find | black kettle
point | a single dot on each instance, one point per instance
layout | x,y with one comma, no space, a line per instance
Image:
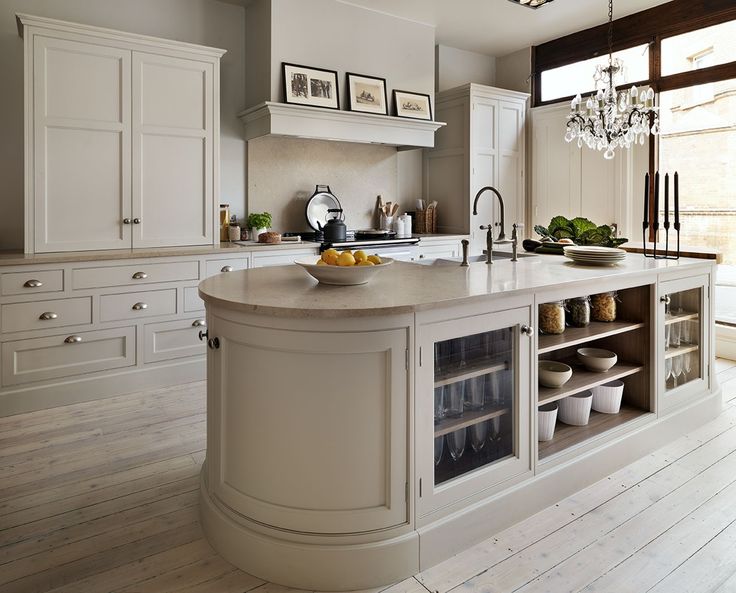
335,230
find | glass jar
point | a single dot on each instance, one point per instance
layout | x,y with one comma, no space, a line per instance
603,306
552,317
578,311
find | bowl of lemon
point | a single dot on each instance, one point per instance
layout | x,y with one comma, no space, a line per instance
345,268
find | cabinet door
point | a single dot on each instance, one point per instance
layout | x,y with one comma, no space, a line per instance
683,341
472,400
173,128
81,180
484,168
511,116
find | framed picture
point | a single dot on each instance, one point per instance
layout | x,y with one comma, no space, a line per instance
315,87
367,94
412,105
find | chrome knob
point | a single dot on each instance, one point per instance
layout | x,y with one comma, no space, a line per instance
47,316
213,343
136,221
527,329
140,306
73,339
126,220
140,276
665,299
202,335
226,269
199,323
33,284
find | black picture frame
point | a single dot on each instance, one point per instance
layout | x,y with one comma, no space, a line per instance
310,86
423,102
366,94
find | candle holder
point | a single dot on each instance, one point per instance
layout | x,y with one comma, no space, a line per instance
666,253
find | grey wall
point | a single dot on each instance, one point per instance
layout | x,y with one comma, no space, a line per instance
455,67
513,70
206,22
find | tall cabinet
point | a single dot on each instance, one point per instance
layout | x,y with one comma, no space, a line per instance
122,135
483,144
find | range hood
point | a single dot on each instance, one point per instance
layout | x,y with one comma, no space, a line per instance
300,121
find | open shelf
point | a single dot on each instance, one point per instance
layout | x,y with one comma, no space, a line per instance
568,436
672,352
467,419
686,316
583,379
469,371
580,335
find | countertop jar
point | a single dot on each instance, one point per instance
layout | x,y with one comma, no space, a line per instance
578,311
552,317
603,306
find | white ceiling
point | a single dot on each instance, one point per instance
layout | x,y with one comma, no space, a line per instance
499,27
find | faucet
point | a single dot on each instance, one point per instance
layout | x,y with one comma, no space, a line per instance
501,239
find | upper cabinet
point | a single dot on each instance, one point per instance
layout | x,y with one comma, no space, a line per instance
122,133
482,145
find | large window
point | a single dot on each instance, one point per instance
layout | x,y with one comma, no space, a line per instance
699,49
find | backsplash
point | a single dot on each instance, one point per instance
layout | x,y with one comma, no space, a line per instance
283,172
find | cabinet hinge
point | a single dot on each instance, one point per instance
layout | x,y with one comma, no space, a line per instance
420,487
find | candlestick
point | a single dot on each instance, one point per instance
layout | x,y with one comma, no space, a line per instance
677,200
667,200
655,226
645,224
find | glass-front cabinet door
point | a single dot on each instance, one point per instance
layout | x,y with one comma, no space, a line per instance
684,340
473,406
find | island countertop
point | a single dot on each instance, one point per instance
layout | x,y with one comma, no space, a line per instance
288,291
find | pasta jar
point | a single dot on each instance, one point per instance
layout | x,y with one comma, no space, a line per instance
552,317
603,306
578,311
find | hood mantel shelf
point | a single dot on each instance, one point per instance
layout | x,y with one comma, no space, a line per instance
299,121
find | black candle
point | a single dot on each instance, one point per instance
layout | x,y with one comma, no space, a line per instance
666,200
655,226
677,199
645,224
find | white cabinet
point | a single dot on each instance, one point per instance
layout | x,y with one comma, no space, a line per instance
121,139
483,144
437,249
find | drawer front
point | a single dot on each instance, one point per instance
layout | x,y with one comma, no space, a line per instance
45,314
133,275
174,339
262,260
39,359
32,282
135,305
192,302
225,265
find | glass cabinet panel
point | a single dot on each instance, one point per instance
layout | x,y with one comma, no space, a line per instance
683,331
473,402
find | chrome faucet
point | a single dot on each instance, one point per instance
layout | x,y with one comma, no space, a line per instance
501,239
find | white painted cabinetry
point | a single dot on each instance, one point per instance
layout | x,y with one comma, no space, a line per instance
122,136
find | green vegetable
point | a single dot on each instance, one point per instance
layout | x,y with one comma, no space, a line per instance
581,230
259,221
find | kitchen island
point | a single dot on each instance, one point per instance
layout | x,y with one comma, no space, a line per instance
330,464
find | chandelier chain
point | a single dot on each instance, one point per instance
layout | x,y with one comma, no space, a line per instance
610,30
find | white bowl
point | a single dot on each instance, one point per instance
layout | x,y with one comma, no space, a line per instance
575,409
553,374
344,275
607,397
597,359
546,419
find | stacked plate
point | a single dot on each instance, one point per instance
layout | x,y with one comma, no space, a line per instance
590,255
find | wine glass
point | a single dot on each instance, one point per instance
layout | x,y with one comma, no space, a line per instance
475,393
686,332
493,390
675,335
478,434
667,332
454,399
688,363
667,370
456,444
439,403
438,447
676,368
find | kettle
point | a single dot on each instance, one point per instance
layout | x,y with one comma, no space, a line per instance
335,230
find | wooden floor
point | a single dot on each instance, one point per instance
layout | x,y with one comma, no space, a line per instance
102,497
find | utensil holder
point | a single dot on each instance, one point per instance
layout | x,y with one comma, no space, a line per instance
575,409
607,397
546,420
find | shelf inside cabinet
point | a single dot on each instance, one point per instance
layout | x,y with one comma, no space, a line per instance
468,418
686,316
474,369
583,379
672,352
580,335
568,436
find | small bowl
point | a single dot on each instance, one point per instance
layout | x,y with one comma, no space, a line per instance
597,359
553,374
607,397
546,419
344,275
575,409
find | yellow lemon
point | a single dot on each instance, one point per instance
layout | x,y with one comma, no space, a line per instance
346,259
347,251
360,255
321,262
365,262
375,259
330,257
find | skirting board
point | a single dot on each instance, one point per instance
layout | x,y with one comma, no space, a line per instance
725,341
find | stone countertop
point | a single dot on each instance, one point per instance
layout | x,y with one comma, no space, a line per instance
288,291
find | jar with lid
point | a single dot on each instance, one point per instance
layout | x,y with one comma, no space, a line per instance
552,317
578,311
603,306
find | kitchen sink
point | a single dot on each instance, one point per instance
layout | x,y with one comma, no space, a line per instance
455,261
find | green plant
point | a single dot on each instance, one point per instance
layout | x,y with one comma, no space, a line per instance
581,231
261,220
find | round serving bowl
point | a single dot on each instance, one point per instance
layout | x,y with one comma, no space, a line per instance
546,419
553,374
597,359
607,397
575,409
344,275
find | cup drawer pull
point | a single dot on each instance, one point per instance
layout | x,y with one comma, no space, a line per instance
140,276
33,284
73,339
199,323
226,269
47,316
140,306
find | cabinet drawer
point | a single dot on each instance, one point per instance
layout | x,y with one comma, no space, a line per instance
38,359
134,305
192,302
32,282
132,275
225,265
45,314
173,339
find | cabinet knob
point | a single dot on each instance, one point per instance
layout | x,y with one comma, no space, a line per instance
665,299
136,221
527,329
202,335
126,220
199,323
47,316
226,269
73,339
140,276
140,306
33,284
213,343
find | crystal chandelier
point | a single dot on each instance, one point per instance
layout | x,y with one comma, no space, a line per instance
611,119
531,3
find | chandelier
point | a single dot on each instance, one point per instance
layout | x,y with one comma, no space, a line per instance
610,118
531,3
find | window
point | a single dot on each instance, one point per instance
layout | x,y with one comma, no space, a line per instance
699,49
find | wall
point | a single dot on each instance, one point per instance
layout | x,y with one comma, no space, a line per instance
513,70
206,22
455,67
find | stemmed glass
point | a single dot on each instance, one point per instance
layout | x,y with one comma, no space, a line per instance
667,370
475,393
439,403
688,363
667,334
478,434
456,444
686,332
675,335
438,447
676,367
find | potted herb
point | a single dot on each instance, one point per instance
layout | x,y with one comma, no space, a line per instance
258,223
